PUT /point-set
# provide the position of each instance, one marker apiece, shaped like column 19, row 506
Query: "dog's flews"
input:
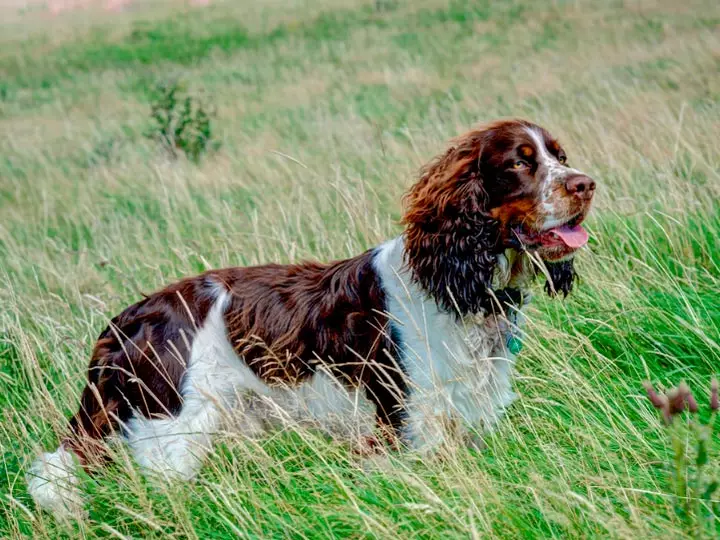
column 409, row 339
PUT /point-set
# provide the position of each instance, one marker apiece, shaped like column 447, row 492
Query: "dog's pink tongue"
column 573, row 237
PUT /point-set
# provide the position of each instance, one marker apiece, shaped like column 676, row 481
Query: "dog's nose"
column 581, row 186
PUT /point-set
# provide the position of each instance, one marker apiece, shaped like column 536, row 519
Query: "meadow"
column 324, row 111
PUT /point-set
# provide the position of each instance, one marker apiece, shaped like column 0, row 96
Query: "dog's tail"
column 53, row 483
column 53, row 480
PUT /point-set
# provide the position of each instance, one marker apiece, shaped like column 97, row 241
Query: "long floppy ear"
column 562, row 275
column 450, row 243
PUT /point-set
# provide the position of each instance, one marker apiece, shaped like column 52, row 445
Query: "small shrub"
column 693, row 490
column 181, row 122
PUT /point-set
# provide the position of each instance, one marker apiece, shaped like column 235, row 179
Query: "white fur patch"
column 176, row 446
column 53, row 484
column 459, row 371
column 556, row 173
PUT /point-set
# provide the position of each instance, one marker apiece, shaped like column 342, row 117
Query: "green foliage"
column 183, row 39
column 181, row 122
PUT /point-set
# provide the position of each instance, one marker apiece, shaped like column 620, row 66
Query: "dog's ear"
column 561, row 277
column 450, row 243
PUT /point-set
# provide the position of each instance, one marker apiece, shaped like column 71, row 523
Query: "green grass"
column 325, row 113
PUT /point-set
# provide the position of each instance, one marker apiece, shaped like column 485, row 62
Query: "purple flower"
column 657, row 401
column 678, row 398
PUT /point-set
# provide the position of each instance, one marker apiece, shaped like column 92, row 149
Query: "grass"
column 325, row 113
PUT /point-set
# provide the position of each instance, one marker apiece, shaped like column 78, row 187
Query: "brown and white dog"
column 420, row 332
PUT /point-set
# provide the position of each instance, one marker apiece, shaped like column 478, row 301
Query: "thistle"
column 693, row 492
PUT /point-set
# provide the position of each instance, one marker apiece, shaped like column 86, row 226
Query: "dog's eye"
column 562, row 160
column 520, row 164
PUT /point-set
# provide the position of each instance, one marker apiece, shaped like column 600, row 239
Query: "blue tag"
column 514, row 345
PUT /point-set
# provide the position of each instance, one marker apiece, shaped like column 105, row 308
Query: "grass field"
column 325, row 111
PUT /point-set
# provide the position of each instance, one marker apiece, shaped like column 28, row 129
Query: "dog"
column 413, row 340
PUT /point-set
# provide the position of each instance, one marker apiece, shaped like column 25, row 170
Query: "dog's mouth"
column 569, row 236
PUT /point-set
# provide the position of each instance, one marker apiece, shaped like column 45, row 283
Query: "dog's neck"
column 512, row 278
column 514, row 270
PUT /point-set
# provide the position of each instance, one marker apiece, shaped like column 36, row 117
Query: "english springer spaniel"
column 420, row 332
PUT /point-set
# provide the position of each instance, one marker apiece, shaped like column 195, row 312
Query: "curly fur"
column 562, row 276
column 451, row 244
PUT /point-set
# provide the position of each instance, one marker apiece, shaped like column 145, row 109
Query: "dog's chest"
column 455, row 366
column 440, row 348
column 460, row 368
column 468, row 350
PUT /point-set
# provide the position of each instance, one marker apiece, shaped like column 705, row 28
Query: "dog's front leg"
column 428, row 426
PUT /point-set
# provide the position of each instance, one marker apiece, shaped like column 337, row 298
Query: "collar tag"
column 514, row 345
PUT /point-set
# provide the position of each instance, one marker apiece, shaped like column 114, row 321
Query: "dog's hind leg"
column 176, row 447
column 127, row 373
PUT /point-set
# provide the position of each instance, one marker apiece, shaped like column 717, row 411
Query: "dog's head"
column 507, row 185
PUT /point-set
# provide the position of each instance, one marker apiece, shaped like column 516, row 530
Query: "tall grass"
column 325, row 112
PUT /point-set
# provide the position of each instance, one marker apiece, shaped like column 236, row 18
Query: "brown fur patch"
column 518, row 211
column 285, row 321
column 139, row 360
